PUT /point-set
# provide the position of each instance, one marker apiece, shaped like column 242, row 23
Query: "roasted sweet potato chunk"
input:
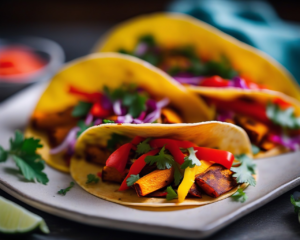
column 158, row 194
column 96, row 154
column 46, row 121
column 195, row 191
column 154, row 181
column 110, row 174
column 255, row 130
column 170, row 116
column 216, row 180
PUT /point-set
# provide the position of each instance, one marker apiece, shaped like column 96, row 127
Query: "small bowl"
column 48, row 50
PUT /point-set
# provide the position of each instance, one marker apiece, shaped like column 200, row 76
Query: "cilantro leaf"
column 92, row 178
column 243, row 173
column 3, row 155
column 255, row 149
column 115, row 140
column 81, row 109
column 162, row 160
column 171, row 193
column 23, row 153
column 295, row 200
column 107, row 121
column 65, row 190
column 191, row 160
column 81, row 124
column 143, row 147
column 132, row 179
column 284, row 118
column 239, row 196
column 31, row 169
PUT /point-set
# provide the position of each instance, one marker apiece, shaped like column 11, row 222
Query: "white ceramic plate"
column 277, row 175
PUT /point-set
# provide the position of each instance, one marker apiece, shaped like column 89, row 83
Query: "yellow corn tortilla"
column 174, row 29
column 220, row 135
column 93, row 72
column 261, row 96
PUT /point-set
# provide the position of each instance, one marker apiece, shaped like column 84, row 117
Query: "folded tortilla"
column 93, row 72
column 219, row 135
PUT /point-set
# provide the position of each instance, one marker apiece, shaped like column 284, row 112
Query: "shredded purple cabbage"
column 224, row 115
column 187, row 78
column 141, row 49
column 89, row 119
column 117, row 107
column 290, row 143
column 67, row 141
column 238, row 82
column 98, row 121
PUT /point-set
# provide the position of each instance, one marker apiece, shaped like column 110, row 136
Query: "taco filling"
column 187, row 66
column 172, row 169
column 126, row 104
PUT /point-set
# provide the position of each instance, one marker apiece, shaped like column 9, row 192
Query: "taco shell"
column 219, row 135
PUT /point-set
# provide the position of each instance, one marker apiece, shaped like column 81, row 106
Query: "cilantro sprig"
column 143, row 147
column 92, row 178
column 163, row 160
column 240, row 196
column 23, row 152
column 285, row 118
column 65, row 190
column 108, row 121
column 132, row 179
column 171, row 193
column 191, row 160
column 81, row 109
column 244, row 172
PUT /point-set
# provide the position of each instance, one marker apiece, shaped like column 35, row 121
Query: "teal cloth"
column 253, row 22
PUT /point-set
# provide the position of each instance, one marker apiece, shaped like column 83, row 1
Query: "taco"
column 104, row 88
column 193, row 52
column 164, row 165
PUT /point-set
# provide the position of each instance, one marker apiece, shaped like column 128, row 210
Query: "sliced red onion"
column 98, row 121
column 125, row 119
column 69, row 139
column 142, row 116
column 151, row 117
column 141, row 49
column 162, row 103
column 151, row 105
column 117, row 107
column 223, row 116
column 238, row 82
column 105, row 102
column 137, row 121
column 88, row 119
column 290, row 143
column 189, row 80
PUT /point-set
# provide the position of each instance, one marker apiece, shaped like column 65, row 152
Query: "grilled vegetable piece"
column 255, row 130
column 46, row 121
column 154, row 181
column 216, row 180
column 110, row 174
column 170, row 116
column 267, row 145
column 158, row 194
column 95, row 154
column 57, row 135
column 195, row 191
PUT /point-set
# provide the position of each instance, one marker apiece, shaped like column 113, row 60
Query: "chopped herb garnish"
column 284, row 118
column 295, row 200
column 92, row 178
column 143, row 147
column 64, row 191
column 177, row 174
column 162, row 160
column 116, row 140
column 81, row 109
column 171, row 193
column 81, row 124
column 107, row 121
column 240, row 196
column 255, row 149
column 148, row 39
column 191, row 160
column 132, row 179
column 23, row 152
column 244, row 172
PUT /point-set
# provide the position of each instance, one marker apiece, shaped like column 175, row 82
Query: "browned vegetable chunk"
column 267, row 145
column 58, row 135
column 46, row 121
column 195, row 191
column 96, row 154
column 170, row 116
column 110, row 174
column 216, row 180
column 158, row 194
column 154, row 181
column 255, row 130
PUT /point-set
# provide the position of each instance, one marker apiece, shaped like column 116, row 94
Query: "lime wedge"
column 15, row 219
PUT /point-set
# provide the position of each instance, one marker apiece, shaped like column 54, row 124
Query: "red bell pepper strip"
column 251, row 109
column 118, row 159
column 90, row 97
column 137, row 140
column 97, row 110
column 214, row 155
column 214, row 81
column 282, row 104
column 137, row 167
